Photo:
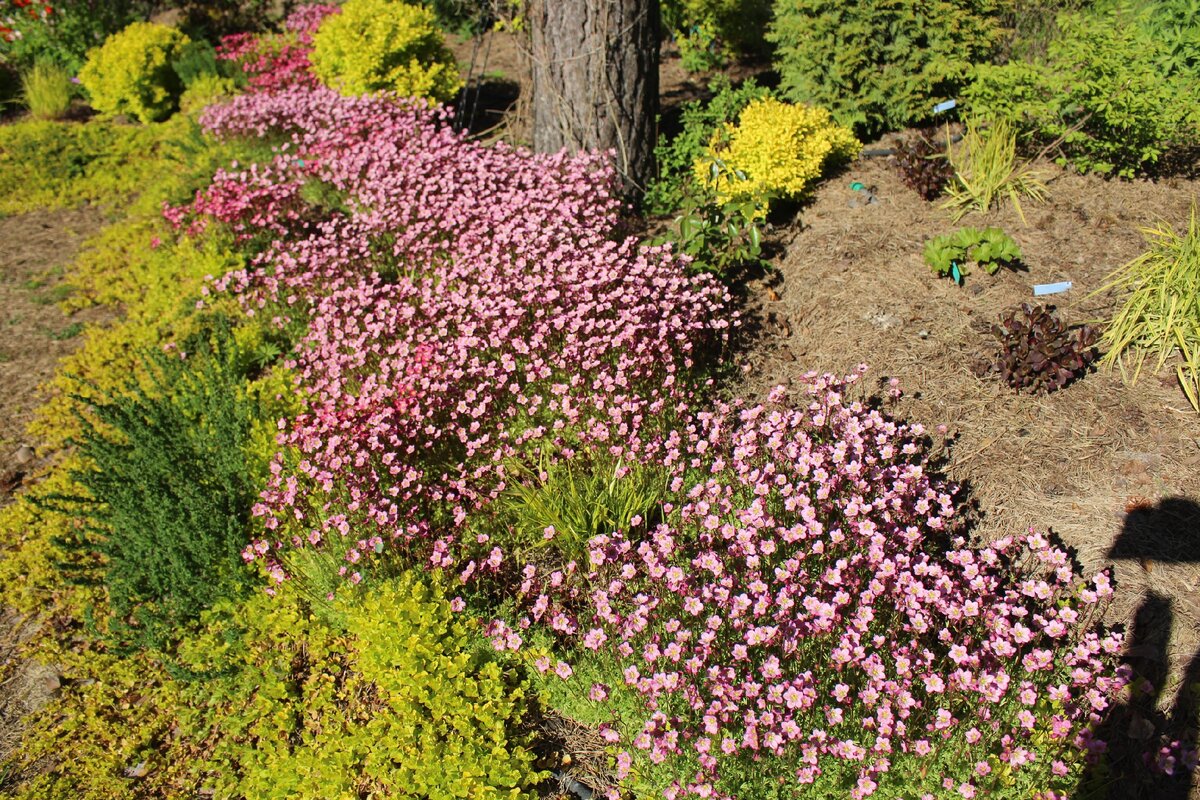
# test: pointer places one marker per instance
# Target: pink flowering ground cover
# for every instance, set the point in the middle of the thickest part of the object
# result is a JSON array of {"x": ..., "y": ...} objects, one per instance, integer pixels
[{"x": 793, "y": 608}]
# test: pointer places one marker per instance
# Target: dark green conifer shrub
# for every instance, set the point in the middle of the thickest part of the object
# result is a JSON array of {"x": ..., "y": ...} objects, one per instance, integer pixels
[
  {"x": 880, "y": 65},
  {"x": 166, "y": 490}
]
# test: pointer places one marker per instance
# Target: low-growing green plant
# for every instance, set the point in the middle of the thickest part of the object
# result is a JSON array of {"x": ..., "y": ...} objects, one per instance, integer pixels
[
  {"x": 561, "y": 505},
  {"x": 880, "y": 65},
  {"x": 1162, "y": 313},
  {"x": 676, "y": 157},
  {"x": 381, "y": 45},
  {"x": 718, "y": 236},
  {"x": 986, "y": 170},
  {"x": 133, "y": 73},
  {"x": 1038, "y": 352},
  {"x": 1114, "y": 93},
  {"x": 990, "y": 248},
  {"x": 166, "y": 488},
  {"x": 47, "y": 90},
  {"x": 47, "y": 164}
]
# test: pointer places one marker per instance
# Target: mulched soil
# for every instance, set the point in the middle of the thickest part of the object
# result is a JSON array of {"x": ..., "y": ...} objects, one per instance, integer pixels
[{"x": 1110, "y": 468}]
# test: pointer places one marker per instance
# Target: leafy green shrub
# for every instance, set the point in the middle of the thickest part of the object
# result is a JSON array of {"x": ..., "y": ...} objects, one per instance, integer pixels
[
  {"x": 776, "y": 150},
  {"x": 47, "y": 90},
  {"x": 718, "y": 236},
  {"x": 707, "y": 30},
  {"x": 383, "y": 45},
  {"x": 1114, "y": 93},
  {"x": 880, "y": 65},
  {"x": 990, "y": 248},
  {"x": 132, "y": 72},
  {"x": 1039, "y": 353},
  {"x": 1162, "y": 312},
  {"x": 65, "y": 35},
  {"x": 700, "y": 50},
  {"x": 166, "y": 488},
  {"x": 986, "y": 170},
  {"x": 677, "y": 157},
  {"x": 406, "y": 701}
]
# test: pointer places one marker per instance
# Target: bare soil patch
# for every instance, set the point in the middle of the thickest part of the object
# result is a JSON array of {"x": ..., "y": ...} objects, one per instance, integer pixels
[{"x": 34, "y": 331}]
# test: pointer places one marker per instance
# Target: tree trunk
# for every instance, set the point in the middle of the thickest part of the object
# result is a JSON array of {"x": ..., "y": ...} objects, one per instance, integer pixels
[{"x": 595, "y": 80}]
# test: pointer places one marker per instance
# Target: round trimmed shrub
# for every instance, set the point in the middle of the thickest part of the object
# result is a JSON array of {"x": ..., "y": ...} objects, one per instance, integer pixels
[
  {"x": 380, "y": 45},
  {"x": 132, "y": 72}
]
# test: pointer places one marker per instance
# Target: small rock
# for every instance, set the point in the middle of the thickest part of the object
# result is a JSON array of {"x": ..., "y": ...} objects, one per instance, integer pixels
[
  {"x": 923, "y": 334},
  {"x": 139, "y": 770},
  {"x": 24, "y": 454}
]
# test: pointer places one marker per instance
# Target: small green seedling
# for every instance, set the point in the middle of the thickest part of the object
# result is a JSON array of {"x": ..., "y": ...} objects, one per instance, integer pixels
[{"x": 990, "y": 248}]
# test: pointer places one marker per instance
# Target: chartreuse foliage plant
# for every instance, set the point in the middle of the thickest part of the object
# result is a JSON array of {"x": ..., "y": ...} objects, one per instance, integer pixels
[
  {"x": 404, "y": 700},
  {"x": 1161, "y": 315},
  {"x": 1114, "y": 93},
  {"x": 880, "y": 65},
  {"x": 708, "y": 31},
  {"x": 987, "y": 171},
  {"x": 384, "y": 45},
  {"x": 46, "y": 164},
  {"x": 133, "y": 73},
  {"x": 990, "y": 248},
  {"x": 47, "y": 91},
  {"x": 676, "y": 157},
  {"x": 776, "y": 150}
]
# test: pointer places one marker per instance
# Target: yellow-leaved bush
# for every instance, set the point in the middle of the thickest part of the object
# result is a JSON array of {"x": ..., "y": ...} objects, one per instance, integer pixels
[
  {"x": 386, "y": 694},
  {"x": 382, "y": 45},
  {"x": 776, "y": 150},
  {"x": 132, "y": 72}
]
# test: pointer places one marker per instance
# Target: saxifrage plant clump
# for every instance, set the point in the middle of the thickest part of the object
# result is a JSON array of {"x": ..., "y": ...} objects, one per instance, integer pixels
[{"x": 1038, "y": 352}]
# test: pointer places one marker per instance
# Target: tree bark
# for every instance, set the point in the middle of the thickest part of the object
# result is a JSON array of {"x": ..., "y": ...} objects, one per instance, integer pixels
[{"x": 595, "y": 80}]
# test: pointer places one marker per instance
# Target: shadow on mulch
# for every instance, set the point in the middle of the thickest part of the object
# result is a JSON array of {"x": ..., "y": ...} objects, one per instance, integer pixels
[{"x": 1136, "y": 730}]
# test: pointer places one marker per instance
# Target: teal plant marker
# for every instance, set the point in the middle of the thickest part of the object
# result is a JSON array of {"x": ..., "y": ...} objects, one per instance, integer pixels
[
  {"x": 857, "y": 186},
  {"x": 956, "y": 273}
]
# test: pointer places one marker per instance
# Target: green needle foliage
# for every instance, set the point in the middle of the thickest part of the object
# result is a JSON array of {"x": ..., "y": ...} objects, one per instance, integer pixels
[
  {"x": 986, "y": 171},
  {"x": 46, "y": 89},
  {"x": 1162, "y": 314},
  {"x": 166, "y": 489}
]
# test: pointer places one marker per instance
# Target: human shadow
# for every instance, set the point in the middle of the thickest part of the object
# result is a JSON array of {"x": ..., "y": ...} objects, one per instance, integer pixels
[{"x": 1146, "y": 744}]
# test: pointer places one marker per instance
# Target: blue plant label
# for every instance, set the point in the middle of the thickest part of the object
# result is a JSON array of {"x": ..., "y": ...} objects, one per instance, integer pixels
[
  {"x": 944, "y": 106},
  {"x": 857, "y": 186},
  {"x": 956, "y": 273},
  {"x": 1051, "y": 288}
]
